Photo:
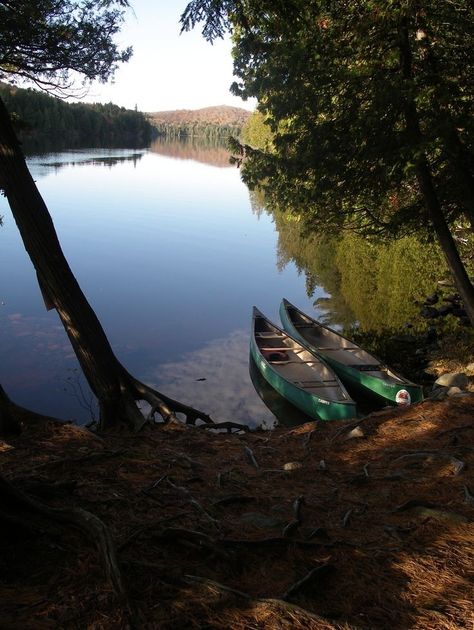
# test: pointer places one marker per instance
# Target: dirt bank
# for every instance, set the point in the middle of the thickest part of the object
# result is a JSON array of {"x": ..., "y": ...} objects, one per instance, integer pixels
[{"x": 298, "y": 528}]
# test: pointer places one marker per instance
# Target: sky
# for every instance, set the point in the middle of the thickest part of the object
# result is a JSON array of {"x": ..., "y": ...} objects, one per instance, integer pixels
[{"x": 167, "y": 70}]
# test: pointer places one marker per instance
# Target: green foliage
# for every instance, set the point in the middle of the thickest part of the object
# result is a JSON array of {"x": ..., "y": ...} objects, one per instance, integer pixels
[
  {"x": 44, "y": 122},
  {"x": 256, "y": 132},
  {"x": 333, "y": 83},
  {"x": 48, "y": 41}
]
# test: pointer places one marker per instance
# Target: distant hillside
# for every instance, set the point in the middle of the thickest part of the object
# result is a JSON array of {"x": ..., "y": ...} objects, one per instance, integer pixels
[
  {"x": 221, "y": 120},
  {"x": 218, "y": 115}
]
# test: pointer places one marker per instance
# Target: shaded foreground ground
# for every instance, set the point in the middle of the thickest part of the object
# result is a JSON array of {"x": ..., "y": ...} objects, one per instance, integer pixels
[{"x": 372, "y": 531}]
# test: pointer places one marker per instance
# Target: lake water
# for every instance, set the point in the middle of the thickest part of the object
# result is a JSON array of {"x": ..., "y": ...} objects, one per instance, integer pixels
[{"x": 167, "y": 249}]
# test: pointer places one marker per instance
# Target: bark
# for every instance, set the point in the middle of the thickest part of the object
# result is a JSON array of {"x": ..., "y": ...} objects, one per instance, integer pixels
[
  {"x": 8, "y": 423},
  {"x": 427, "y": 187},
  {"x": 116, "y": 390}
]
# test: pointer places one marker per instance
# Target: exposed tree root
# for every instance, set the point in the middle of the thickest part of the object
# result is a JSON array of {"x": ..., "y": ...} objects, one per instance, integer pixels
[
  {"x": 21, "y": 505},
  {"x": 275, "y": 604},
  {"x": 134, "y": 391}
]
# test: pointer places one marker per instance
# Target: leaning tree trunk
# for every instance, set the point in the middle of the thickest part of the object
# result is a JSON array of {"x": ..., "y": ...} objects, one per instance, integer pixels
[
  {"x": 8, "y": 423},
  {"x": 425, "y": 181},
  {"x": 445, "y": 238},
  {"x": 116, "y": 390}
]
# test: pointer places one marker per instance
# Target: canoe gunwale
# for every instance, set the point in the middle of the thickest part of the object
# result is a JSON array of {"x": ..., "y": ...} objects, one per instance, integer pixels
[{"x": 356, "y": 375}]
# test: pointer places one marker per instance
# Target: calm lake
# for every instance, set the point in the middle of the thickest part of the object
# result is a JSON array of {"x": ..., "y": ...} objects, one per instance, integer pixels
[{"x": 167, "y": 248}]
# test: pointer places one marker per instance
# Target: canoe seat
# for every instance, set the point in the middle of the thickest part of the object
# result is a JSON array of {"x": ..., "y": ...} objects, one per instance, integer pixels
[
  {"x": 268, "y": 335},
  {"x": 273, "y": 349},
  {"x": 320, "y": 348}
]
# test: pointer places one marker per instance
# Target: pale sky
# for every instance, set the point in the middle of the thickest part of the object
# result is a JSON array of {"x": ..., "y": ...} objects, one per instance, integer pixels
[{"x": 168, "y": 70}]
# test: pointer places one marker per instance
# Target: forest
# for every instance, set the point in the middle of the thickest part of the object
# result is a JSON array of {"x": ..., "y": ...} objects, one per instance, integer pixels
[{"x": 45, "y": 122}]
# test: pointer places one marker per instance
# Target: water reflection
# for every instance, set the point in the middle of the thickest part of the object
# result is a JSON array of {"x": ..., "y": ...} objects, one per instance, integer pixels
[
  {"x": 376, "y": 285},
  {"x": 42, "y": 165},
  {"x": 213, "y": 152},
  {"x": 215, "y": 378},
  {"x": 284, "y": 412}
]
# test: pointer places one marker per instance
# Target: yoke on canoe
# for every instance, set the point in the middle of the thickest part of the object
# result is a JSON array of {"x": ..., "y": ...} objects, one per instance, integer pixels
[
  {"x": 299, "y": 376},
  {"x": 360, "y": 371}
]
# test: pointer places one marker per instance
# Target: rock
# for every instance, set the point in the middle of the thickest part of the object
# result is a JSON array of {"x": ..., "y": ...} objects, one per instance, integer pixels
[
  {"x": 292, "y": 465},
  {"x": 429, "y": 312},
  {"x": 445, "y": 310},
  {"x": 431, "y": 334},
  {"x": 470, "y": 367},
  {"x": 355, "y": 433},
  {"x": 439, "y": 393},
  {"x": 454, "y": 299},
  {"x": 452, "y": 379},
  {"x": 458, "y": 311},
  {"x": 322, "y": 465},
  {"x": 432, "y": 299},
  {"x": 452, "y": 391}
]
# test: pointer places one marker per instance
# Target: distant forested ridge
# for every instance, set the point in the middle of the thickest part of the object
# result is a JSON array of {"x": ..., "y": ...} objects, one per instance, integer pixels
[
  {"x": 45, "y": 122},
  {"x": 208, "y": 122}
]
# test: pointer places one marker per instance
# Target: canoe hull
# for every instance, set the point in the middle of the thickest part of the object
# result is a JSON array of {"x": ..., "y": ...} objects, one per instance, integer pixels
[
  {"x": 359, "y": 382},
  {"x": 310, "y": 404}
]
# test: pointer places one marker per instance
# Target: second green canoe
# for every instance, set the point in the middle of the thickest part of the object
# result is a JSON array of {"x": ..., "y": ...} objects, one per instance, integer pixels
[
  {"x": 360, "y": 371},
  {"x": 299, "y": 376}
]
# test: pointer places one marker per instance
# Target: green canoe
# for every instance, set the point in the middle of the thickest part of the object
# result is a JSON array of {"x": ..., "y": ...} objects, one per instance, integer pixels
[
  {"x": 360, "y": 371},
  {"x": 300, "y": 377}
]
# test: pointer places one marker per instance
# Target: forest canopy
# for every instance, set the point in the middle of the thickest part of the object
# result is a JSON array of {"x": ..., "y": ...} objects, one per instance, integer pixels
[{"x": 44, "y": 121}]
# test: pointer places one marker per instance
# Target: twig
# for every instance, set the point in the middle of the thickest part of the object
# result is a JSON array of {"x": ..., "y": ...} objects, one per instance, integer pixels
[
  {"x": 250, "y": 457},
  {"x": 198, "y": 539},
  {"x": 290, "y": 528},
  {"x": 346, "y": 517},
  {"x": 194, "y": 502},
  {"x": 318, "y": 571},
  {"x": 140, "y": 530}
]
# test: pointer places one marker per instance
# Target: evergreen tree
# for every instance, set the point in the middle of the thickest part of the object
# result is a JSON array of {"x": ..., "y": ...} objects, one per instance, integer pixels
[{"x": 370, "y": 105}]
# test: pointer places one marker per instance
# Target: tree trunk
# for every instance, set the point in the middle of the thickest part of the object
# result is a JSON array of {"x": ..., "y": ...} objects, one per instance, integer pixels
[
  {"x": 116, "y": 390},
  {"x": 425, "y": 182},
  {"x": 458, "y": 271},
  {"x": 8, "y": 424}
]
